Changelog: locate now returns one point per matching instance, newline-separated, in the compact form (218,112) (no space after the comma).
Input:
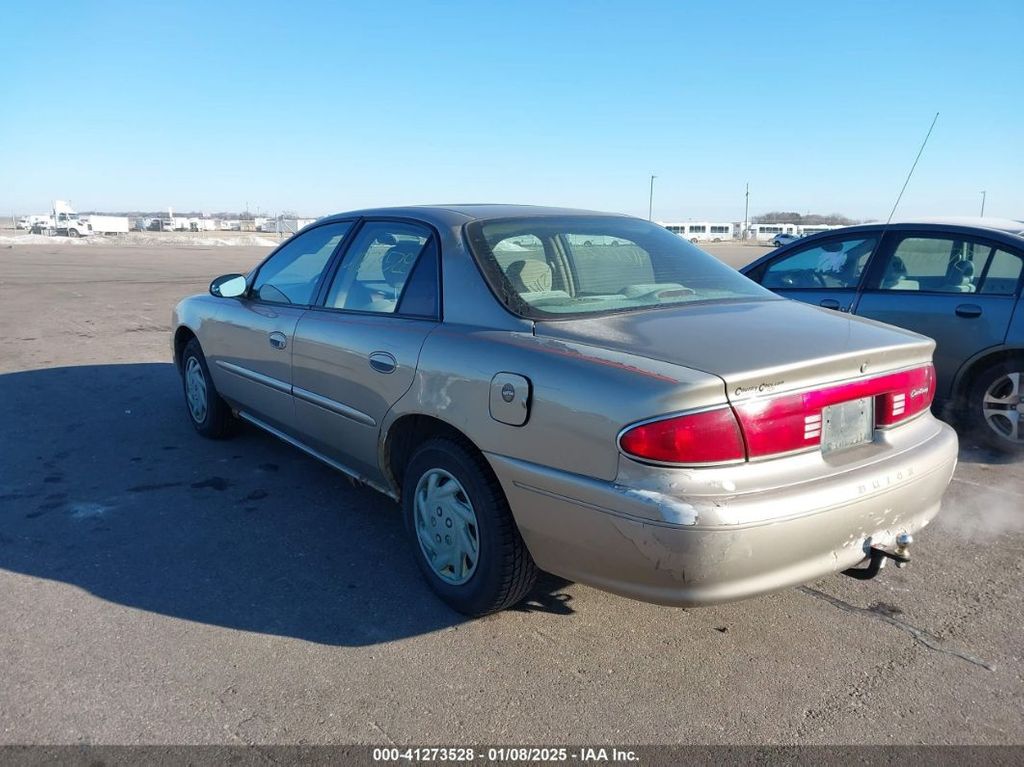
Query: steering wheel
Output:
(788,279)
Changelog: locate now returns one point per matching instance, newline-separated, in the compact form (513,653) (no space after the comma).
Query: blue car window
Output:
(830,264)
(1003,274)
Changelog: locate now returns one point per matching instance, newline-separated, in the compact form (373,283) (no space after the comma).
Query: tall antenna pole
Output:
(983,193)
(919,151)
(650,202)
(746,211)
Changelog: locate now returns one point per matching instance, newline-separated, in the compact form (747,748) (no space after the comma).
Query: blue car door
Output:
(956,288)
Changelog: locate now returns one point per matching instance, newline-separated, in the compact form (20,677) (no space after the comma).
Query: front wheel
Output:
(463,535)
(996,406)
(210,415)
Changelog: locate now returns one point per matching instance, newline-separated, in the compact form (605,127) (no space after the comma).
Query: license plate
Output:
(847,424)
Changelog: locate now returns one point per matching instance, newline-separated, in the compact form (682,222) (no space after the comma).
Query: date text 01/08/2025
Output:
(503,754)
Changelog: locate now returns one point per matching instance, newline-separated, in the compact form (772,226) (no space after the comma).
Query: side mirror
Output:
(229,286)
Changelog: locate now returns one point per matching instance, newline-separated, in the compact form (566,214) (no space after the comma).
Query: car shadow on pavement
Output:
(104,485)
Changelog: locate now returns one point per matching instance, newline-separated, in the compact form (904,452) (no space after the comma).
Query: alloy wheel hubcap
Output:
(195,389)
(1003,407)
(446,526)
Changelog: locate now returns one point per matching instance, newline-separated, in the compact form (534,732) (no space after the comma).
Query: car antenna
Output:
(912,167)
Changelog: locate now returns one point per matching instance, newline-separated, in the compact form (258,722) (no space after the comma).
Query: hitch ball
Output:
(903,541)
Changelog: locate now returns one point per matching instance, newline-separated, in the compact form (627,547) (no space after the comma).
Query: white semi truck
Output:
(64,221)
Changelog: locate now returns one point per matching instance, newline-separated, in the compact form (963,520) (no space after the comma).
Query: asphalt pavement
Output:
(156,587)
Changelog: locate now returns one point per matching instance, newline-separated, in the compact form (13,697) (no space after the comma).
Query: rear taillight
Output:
(912,393)
(712,436)
(794,421)
(775,425)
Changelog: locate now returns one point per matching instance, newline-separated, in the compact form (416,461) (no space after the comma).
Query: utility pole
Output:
(746,210)
(983,193)
(650,202)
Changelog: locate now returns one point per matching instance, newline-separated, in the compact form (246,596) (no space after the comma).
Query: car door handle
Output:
(383,362)
(968,310)
(278,340)
(829,303)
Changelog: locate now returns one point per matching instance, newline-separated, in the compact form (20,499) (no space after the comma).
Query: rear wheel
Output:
(996,406)
(465,540)
(210,415)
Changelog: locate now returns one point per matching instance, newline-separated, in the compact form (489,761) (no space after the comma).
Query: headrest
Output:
(530,276)
(964,269)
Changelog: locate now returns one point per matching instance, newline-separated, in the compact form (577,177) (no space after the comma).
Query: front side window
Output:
(835,264)
(380,264)
(548,267)
(291,275)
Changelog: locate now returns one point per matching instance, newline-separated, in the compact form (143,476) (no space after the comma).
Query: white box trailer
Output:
(108,224)
(202,224)
(285,225)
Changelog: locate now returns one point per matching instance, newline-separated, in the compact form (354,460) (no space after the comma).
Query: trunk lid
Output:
(757,348)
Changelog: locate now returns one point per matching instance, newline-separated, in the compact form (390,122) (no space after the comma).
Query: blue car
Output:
(957,281)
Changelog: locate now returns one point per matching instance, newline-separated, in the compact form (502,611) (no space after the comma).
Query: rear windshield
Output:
(549,267)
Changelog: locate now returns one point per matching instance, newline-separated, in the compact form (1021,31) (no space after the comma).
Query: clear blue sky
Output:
(319,107)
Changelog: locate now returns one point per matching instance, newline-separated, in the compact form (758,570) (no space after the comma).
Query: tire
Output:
(995,406)
(503,571)
(72,233)
(214,420)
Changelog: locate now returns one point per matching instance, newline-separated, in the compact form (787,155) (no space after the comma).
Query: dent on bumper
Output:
(706,548)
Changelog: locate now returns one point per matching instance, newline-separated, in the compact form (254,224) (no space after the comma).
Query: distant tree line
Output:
(790,217)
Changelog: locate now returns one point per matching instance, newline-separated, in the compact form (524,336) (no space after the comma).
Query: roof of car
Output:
(464,212)
(1009,225)
(1003,226)
(1010,230)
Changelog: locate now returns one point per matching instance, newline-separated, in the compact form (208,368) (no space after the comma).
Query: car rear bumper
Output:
(683,548)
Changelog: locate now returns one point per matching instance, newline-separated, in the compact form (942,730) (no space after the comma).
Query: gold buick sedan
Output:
(582,393)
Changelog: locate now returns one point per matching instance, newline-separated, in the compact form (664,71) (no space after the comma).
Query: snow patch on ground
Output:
(137,239)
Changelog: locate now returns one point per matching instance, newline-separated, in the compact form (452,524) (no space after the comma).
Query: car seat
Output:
(529,276)
(959,277)
(895,277)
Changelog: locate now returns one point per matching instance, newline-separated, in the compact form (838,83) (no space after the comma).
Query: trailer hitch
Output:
(900,554)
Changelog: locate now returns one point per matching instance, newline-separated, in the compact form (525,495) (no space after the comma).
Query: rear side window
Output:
(1003,274)
(831,264)
(381,265)
(421,295)
(950,264)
